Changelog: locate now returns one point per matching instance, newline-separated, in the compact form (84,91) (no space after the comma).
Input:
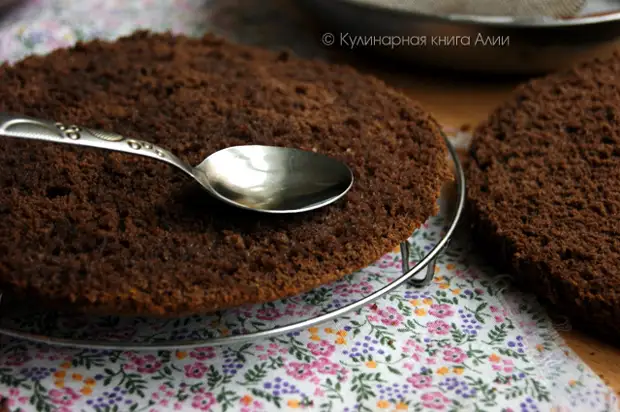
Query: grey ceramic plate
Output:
(479,43)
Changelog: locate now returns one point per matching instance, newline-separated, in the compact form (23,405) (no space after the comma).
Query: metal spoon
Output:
(261,178)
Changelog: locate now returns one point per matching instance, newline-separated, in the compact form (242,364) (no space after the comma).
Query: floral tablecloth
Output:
(468,342)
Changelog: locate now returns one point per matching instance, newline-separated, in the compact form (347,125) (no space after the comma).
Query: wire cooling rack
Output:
(415,263)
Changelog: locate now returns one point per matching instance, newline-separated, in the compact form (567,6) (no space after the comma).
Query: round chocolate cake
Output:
(544,191)
(105,232)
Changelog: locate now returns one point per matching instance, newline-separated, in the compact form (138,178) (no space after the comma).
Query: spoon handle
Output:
(24,127)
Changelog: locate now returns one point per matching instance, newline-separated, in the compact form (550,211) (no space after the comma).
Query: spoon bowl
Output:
(261,178)
(274,179)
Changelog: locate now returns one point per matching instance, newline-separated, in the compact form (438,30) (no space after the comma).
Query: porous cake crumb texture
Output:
(107,232)
(544,191)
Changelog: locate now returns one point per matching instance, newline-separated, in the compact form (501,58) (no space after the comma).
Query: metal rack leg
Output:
(404,253)
(430,274)
(430,268)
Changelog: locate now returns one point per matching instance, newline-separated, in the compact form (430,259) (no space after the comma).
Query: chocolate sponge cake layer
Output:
(105,232)
(544,191)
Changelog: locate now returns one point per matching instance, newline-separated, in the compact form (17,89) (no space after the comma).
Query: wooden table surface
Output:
(459,100)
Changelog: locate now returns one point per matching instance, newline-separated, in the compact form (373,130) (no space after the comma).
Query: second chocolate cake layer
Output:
(544,191)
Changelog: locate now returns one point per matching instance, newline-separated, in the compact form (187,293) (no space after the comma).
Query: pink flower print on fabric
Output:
(499,315)
(272,350)
(345,290)
(64,396)
(506,366)
(441,310)
(438,327)
(323,348)
(203,401)
(420,381)
(435,400)
(202,353)
(196,370)
(147,364)
(17,359)
(388,317)
(413,349)
(299,371)
(454,355)
(325,367)
(268,314)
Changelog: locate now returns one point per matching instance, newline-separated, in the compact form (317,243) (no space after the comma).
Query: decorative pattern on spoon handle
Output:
(57,132)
